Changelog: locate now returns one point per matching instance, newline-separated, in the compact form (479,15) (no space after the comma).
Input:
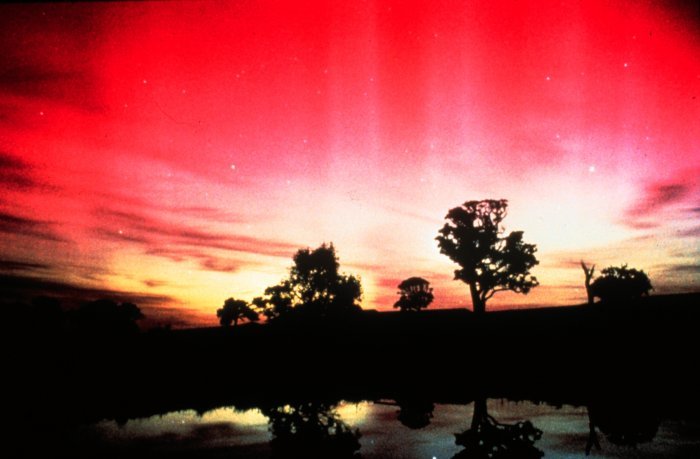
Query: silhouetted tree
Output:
(277,302)
(415,294)
(235,310)
(621,283)
(488,438)
(315,288)
(310,430)
(490,263)
(588,272)
(107,318)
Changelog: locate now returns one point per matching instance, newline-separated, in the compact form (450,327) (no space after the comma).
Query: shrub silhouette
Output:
(107,318)
(235,310)
(621,283)
(415,294)
(490,263)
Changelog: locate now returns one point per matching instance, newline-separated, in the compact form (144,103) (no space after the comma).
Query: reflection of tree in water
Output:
(415,414)
(310,430)
(488,438)
(623,423)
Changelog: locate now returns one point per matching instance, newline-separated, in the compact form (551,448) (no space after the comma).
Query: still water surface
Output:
(226,432)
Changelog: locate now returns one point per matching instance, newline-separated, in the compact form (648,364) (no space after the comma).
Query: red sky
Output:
(179,153)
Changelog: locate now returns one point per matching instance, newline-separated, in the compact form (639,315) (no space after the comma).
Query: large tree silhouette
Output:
(415,294)
(315,288)
(621,283)
(472,238)
(235,310)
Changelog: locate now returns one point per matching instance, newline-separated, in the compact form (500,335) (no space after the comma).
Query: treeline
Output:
(473,237)
(103,318)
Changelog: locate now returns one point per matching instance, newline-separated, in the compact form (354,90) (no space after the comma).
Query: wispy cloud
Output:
(14,224)
(21,266)
(153,283)
(157,309)
(23,287)
(648,211)
(178,242)
(657,197)
(15,174)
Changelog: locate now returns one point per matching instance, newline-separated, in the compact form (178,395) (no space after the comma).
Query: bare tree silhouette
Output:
(588,272)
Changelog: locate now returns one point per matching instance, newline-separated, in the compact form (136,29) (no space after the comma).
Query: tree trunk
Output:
(588,272)
(478,305)
(480,414)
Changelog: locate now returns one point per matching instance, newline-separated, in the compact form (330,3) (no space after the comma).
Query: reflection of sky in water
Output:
(245,433)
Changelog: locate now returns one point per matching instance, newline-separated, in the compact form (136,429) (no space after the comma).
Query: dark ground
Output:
(583,355)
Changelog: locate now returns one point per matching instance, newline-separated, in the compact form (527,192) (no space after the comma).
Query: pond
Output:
(389,429)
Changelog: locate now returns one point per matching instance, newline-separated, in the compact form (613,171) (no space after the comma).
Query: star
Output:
(145,81)
(591,169)
(41,113)
(548,78)
(625,65)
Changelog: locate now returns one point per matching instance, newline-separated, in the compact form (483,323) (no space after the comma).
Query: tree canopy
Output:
(621,283)
(472,238)
(315,288)
(235,310)
(415,294)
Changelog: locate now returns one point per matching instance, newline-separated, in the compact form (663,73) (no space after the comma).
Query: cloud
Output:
(658,197)
(683,269)
(691,232)
(14,224)
(21,281)
(160,236)
(23,287)
(15,174)
(152,283)
(21,266)
(128,203)
(175,317)
(646,213)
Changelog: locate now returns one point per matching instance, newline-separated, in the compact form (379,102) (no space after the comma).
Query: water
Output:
(385,433)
